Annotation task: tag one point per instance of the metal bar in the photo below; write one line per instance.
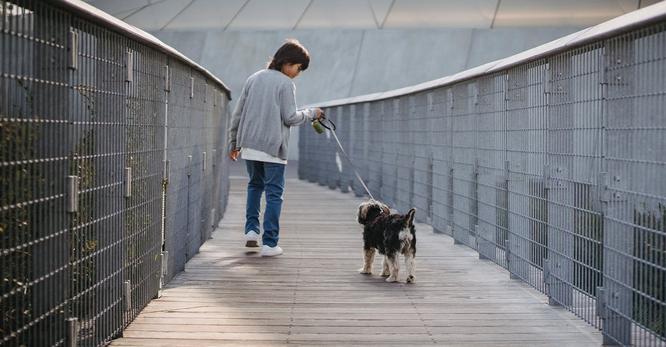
(73, 49)
(73, 329)
(86, 168)
(72, 194)
(128, 182)
(167, 78)
(129, 65)
(127, 295)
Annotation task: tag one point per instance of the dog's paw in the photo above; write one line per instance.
(365, 271)
(385, 274)
(410, 279)
(392, 279)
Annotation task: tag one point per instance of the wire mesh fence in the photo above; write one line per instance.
(552, 168)
(110, 160)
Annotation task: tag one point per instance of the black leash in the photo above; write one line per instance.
(332, 128)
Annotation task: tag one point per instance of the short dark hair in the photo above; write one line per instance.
(291, 52)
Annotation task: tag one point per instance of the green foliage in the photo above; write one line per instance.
(83, 241)
(17, 143)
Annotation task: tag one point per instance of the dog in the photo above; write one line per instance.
(389, 234)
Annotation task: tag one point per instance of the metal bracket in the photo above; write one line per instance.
(213, 156)
(73, 329)
(615, 79)
(189, 165)
(506, 87)
(546, 78)
(72, 194)
(546, 276)
(605, 195)
(129, 64)
(191, 87)
(203, 163)
(507, 173)
(73, 48)
(165, 262)
(127, 293)
(601, 303)
(167, 79)
(167, 171)
(512, 275)
(548, 282)
(553, 183)
(128, 182)
(205, 93)
(449, 98)
(212, 218)
(475, 93)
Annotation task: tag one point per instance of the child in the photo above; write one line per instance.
(259, 133)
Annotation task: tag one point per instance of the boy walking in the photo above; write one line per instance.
(259, 134)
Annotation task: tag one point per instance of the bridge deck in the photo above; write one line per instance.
(313, 294)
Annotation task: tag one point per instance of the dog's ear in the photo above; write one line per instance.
(361, 214)
(409, 217)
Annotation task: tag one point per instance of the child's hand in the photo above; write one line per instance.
(234, 154)
(319, 113)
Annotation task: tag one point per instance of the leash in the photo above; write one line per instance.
(332, 128)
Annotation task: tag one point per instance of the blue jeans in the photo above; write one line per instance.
(268, 177)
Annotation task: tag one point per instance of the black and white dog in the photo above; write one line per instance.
(390, 234)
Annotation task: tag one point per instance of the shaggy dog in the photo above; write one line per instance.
(390, 234)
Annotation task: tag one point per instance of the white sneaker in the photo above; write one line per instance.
(252, 239)
(267, 251)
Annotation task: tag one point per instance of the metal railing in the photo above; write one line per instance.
(551, 163)
(111, 158)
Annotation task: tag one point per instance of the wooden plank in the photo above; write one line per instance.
(313, 295)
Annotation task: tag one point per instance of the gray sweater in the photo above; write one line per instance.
(265, 111)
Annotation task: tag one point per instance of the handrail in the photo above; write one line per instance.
(615, 26)
(96, 15)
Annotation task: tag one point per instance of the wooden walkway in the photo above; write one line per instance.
(313, 294)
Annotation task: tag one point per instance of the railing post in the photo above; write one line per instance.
(166, 172)
(618, 214)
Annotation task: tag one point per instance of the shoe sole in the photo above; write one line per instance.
(251, 244)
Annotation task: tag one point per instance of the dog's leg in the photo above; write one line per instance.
(409, 264)
(385, 267)
(368, 258)
(394, 268)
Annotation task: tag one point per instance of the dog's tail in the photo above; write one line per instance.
(409, 222)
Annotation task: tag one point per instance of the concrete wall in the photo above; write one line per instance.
(353, 62)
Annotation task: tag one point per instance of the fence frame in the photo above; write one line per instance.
(113, 170)
(525, 160)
